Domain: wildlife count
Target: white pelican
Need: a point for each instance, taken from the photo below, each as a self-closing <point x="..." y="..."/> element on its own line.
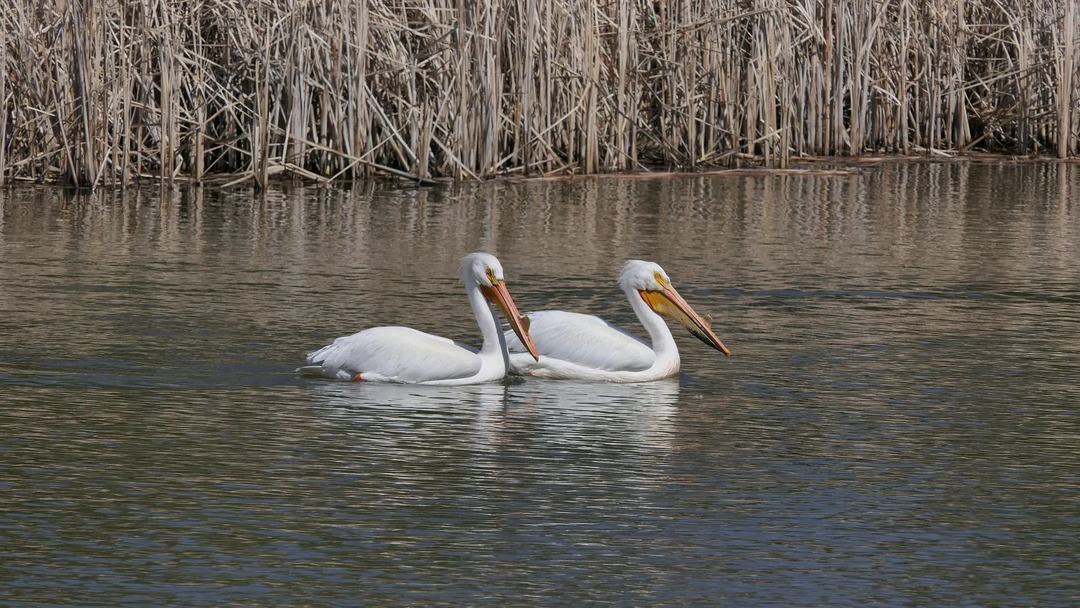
<point x="574" y="345"/>
<point x="404" y="355"/>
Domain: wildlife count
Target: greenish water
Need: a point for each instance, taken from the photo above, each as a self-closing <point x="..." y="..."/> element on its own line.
<point x="899" y="424"/>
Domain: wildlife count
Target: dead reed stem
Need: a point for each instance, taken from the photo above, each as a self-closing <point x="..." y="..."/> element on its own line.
<point x="4" y="118"/>
<point x="106" y="91"/>
<point x="1066" y="64"/>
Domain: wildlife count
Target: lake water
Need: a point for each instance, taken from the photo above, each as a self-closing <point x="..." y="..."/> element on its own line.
<point x="899" y="424"/>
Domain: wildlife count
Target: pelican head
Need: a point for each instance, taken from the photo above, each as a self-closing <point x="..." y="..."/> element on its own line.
<point x="650" y="281"/>
<point x="484" y="271"/>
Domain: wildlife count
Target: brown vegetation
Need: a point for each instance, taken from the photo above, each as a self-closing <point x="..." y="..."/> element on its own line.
<point x="104" y="91"/>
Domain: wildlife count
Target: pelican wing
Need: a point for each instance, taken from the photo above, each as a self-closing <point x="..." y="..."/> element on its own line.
<point x="393" y="354"/>
<point x="585" y="340"/>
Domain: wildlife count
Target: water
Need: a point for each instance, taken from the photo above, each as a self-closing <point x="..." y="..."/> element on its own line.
<point x="899" y="424"/>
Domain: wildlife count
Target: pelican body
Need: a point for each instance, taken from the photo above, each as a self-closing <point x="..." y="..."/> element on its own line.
<point x="405" y="355"/>
<point x="577" y="346"/>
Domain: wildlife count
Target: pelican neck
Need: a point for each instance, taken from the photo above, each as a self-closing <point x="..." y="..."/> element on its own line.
<point x="485" y="318"/>
<point x="663" y="343"/>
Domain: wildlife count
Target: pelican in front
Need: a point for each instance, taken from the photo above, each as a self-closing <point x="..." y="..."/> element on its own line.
<point x="408" y="356"/>
<point x="578" y="346"/>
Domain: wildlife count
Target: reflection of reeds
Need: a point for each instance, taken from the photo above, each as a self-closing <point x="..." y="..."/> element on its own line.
<point x="103" y="91"/>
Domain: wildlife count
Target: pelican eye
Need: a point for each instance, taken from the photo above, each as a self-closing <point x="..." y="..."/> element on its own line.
<point x="661" y="280"/>
<point x="490" y="276"/>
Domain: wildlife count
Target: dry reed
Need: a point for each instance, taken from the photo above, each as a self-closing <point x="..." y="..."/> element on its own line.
<point x="106" y="91"/>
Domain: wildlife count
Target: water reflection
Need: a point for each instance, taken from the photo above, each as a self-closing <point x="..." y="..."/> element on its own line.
<point x="489" y="417"/>
<point x="588" y="412"/>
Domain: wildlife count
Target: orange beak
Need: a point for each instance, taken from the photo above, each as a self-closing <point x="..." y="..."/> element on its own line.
<point x="498" y="295"/>
<point x="670" y="304"/>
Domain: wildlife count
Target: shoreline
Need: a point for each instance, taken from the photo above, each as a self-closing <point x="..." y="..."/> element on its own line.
<point x="820" y="166"/>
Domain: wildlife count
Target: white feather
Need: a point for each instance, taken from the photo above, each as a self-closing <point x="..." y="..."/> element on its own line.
<point x="584" y="339"/>
<point x="395" y="354"/>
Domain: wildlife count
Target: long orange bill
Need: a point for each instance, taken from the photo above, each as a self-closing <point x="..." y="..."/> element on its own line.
<point x="498" y="295"/>
<point x="669" y="303"/>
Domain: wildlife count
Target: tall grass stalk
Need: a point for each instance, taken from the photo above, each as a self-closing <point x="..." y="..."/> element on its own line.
<point x="107" y="91"/>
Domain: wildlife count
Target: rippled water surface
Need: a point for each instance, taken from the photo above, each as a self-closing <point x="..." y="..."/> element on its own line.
<point x="900" y="424"/>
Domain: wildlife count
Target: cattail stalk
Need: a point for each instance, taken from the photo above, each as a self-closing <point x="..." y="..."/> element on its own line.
<point x="1066" y="77"/>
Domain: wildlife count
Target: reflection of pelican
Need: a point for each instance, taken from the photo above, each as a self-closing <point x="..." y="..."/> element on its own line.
<point x="415" y="429"/>
<point x="574" y="345"/>
<point x="579" y="400"/>
<point x="593" y="416"/>
<point x="401" y="354"/>
<point x="408" y="434"/>
<point x="398" y="404"/>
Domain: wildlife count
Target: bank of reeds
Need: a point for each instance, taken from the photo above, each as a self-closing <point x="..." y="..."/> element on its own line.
<point x="105" y="91"/>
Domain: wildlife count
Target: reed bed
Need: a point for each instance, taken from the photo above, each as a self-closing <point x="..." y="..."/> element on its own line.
<point x="103" y="92"/>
